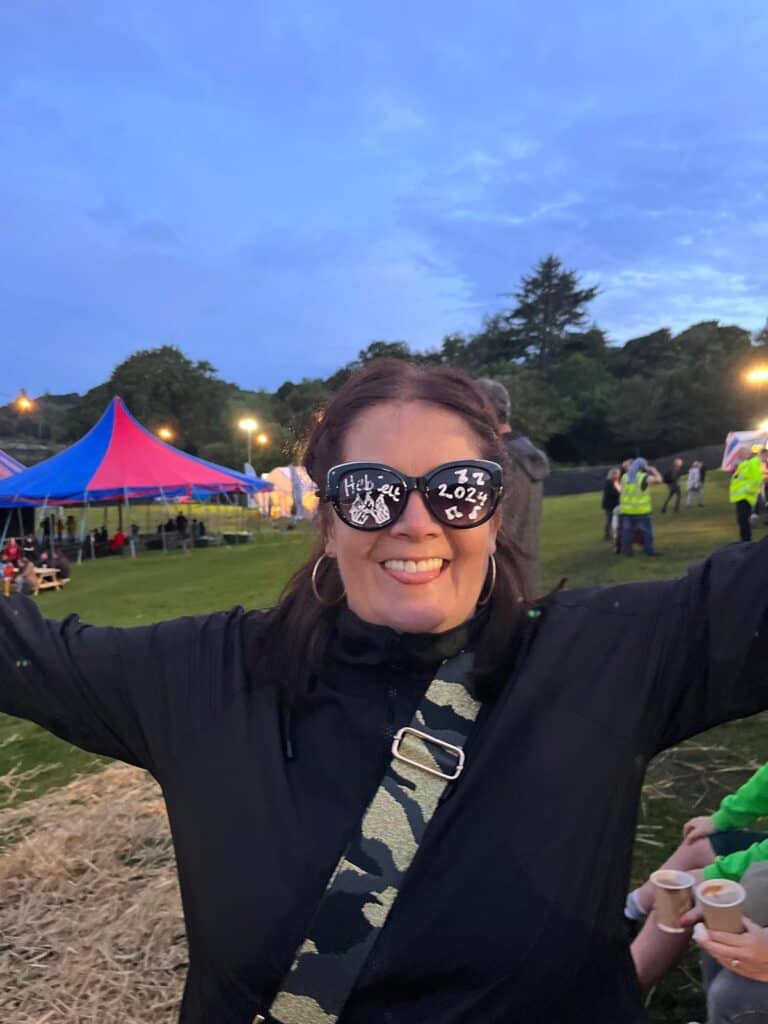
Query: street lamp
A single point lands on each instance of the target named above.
(262, 439)
(249, 425)
(165, 433)
(757, 375)
(24, 403)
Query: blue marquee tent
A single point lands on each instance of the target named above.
(118, 460)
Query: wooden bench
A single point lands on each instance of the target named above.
(48, 579)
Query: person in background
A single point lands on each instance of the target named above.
(672, 480)
(12, 551)
(90, 541)
(60, 561)
(695, 483)
(734, 968)
(744, 489)
(133, 538)
(635, 506)
(523, 486)
(30, 548)
(182, 529)
(117, 543)
(71, 527)
(611, 498)
(27, 581)
(721, 845)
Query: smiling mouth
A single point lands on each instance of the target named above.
(422, 570)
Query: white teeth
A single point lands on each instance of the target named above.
(422, 565)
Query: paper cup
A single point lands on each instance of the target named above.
(674, 897)
(721, 901)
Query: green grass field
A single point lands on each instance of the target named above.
(690, 779)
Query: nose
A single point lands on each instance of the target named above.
(416, 520)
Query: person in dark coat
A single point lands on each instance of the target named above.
(270, 731)
(526, 467)
(672, 480)
(611, 498)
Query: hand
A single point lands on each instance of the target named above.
(698, 828)
(745, 954)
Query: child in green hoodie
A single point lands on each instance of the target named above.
(714, 846)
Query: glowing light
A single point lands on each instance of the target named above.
(24, 403)
(248, 424)
(757, 375)
(165, 433)
(763, 426)
(262, 439)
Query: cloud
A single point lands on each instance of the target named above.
(517, 147)
(156, 232)
(399, 120)
(388, 120)
(640, 299)
(113, 215)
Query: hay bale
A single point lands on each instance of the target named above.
(91, 930)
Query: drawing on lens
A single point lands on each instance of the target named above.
(364, 508)
(381, 511)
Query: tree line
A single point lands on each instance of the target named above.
(583, 399)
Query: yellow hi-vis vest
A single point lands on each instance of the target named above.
(746, 481)
(634, 500)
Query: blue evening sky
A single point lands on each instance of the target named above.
(272, 185)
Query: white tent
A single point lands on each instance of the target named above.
(293, 490)
(738, 446)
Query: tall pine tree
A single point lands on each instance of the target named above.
(550, 305)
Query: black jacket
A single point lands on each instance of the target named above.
(512, 910)
(611, 496)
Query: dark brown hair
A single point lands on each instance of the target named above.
(298, 628)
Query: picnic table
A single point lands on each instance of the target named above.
(48, 578)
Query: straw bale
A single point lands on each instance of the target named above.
(91, 930)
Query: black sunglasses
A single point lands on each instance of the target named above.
(371, 496)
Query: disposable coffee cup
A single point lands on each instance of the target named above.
(674, 897)
(721, 901)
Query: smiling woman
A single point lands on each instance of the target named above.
(404, 793)
(410, 462)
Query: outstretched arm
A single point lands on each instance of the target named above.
(119, 692)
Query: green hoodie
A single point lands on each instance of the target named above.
(739, 810)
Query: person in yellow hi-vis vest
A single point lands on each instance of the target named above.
(745, 487)
(635, 505)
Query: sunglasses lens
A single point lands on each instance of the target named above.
(462, 496)
(368, 498)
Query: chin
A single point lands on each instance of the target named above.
(415, 620)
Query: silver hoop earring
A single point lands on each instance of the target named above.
(483, 601)
(321, 600)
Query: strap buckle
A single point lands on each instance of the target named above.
(408, 730)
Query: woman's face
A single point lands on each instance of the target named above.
(416, 576)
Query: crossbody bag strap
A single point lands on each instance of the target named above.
(427, 756)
